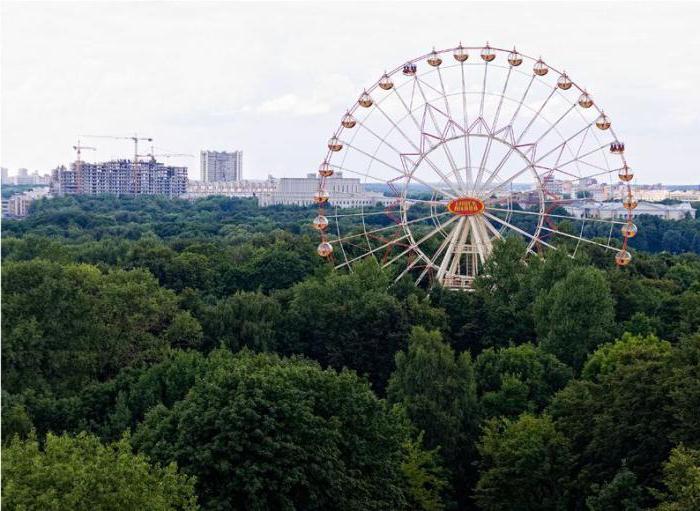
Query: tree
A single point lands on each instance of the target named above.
(261, 432)
(621, 493)
(347, 320)
(65, 326)
(243, 320)
(80, 473)
(682, 480)
(438, 392)
(624, 412)
(525, 465)
(575, 316)
(425, 476)
(518, 379)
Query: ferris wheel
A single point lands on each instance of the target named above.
(459, 148)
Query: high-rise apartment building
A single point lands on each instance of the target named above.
(120, 177)
(221, 166)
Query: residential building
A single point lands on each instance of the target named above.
(120, 177)
(18, 204)
(218, 166)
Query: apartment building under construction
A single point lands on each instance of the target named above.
(120, 177)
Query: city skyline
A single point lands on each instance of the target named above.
(224, 80)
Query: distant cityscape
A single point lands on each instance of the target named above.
(221, 174)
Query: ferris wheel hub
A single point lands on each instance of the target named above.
(466, 206)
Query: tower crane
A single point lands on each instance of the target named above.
(79, 162)
(152, 155)
(135, 139)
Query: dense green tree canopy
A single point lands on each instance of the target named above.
(212, 332)
(260, 432)
(81, 474)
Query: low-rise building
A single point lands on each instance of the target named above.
(615, 210)
(247, 188)
(344, 192)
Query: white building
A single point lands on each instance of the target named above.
(344, 192)
(651, 194)
(252, 188)
(614, 210)
(218, 166)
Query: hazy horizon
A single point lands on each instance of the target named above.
(273, 79)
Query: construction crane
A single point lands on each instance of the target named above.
(79, 162)
(152, 155)
(135, 139)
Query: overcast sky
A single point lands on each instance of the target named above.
(273, 79)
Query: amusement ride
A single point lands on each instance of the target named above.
(462, 147)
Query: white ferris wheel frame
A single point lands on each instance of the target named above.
(483, 229)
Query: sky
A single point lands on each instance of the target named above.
(273, 79)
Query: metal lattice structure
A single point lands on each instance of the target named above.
(451, 138)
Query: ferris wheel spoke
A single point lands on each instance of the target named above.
(444, 93)
(564, 143)
(522, 101)
(385, 228)
(500, 101)
(519, 230)
(425, 238)
(425, 157)
(397, 128)
(536, 116)
(535, 213)
(403, 172)
(372, 251)
(446, 149)
(431, 262)
(483, 91)
(554, 124)
(408, 110)
(585, 240)
(496, 233)
(467, 151)
(579, 158)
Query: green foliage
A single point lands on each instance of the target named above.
(261, 432)
(111, 305)
(518, 379)
(682, 480)
(438, 392)
(79, 473)
(628, 350)
(347, 320)
(621, 493)
(525, 465)
(426, 479)
(575, 316)
(243, 320)
(65, 326)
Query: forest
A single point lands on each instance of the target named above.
(161, 354)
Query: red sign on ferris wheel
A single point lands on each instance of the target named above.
(466, 206)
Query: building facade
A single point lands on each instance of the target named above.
(120, 177)
(17, 205)
(615, 211)
(216, 166)
(253, 188)
(344, 192)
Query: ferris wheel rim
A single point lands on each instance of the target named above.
(479, 188)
